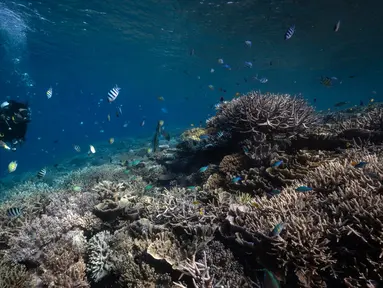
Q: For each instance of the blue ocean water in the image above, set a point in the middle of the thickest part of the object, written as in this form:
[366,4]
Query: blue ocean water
[82,49]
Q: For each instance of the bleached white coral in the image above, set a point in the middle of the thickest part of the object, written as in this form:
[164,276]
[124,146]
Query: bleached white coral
[100,256]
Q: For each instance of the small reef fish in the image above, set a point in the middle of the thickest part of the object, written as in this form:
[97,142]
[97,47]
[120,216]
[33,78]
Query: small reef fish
[337,26]
[4,145]
[49,93]
[211,87]
[164,110]
[42,173]
[113,93]
[111,140]
[248,64]
[227,66]
[203,169]
[148,187]
[220,134]
[204,137]
[220,61]
[277,164]
[236,179]
[212,70]
[274,192]
[326,81]
[77,148]
[262,80]
[191,187]
[142,123]
[77,188]
[278,229]
[160,98]
[12,166]
[14,212]
[290,32]
[109,117]
[248,43]
[340,104]
[119,111]
[303,189]
[360,164]
[269,280]
[134,163]
[92,149]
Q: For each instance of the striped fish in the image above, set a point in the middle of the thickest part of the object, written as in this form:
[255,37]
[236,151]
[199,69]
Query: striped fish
[77,148]
[113,93]
[42,173]
[49,93]
[290,32]
[14,212]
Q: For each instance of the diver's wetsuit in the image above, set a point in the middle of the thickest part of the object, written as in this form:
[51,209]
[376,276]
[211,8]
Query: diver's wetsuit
[14,119]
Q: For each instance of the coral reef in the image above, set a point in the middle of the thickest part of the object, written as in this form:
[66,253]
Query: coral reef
[286,194]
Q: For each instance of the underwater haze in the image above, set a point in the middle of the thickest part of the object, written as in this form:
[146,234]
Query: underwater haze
[168,48]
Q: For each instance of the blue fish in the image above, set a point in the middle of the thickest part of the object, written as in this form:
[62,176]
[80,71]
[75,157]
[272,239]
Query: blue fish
[164,110]
[226,66]
[248,64]
[277,163]
[204,136]
[278,229]
[361,164]
[269,280]
[274,192]
[236,179]
[203,169]
[303,189]
[290,32]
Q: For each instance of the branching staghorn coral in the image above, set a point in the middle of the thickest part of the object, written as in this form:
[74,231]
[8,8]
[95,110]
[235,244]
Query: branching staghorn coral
[63,263]
[265,113]
[331,233]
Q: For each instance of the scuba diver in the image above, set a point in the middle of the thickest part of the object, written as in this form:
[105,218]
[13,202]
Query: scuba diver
[14,119]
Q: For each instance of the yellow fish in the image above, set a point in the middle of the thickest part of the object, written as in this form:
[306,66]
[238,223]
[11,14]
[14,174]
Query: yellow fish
[111,140]
[237,94]
[160,98]
[255,204]
[12,166]
[4,145]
